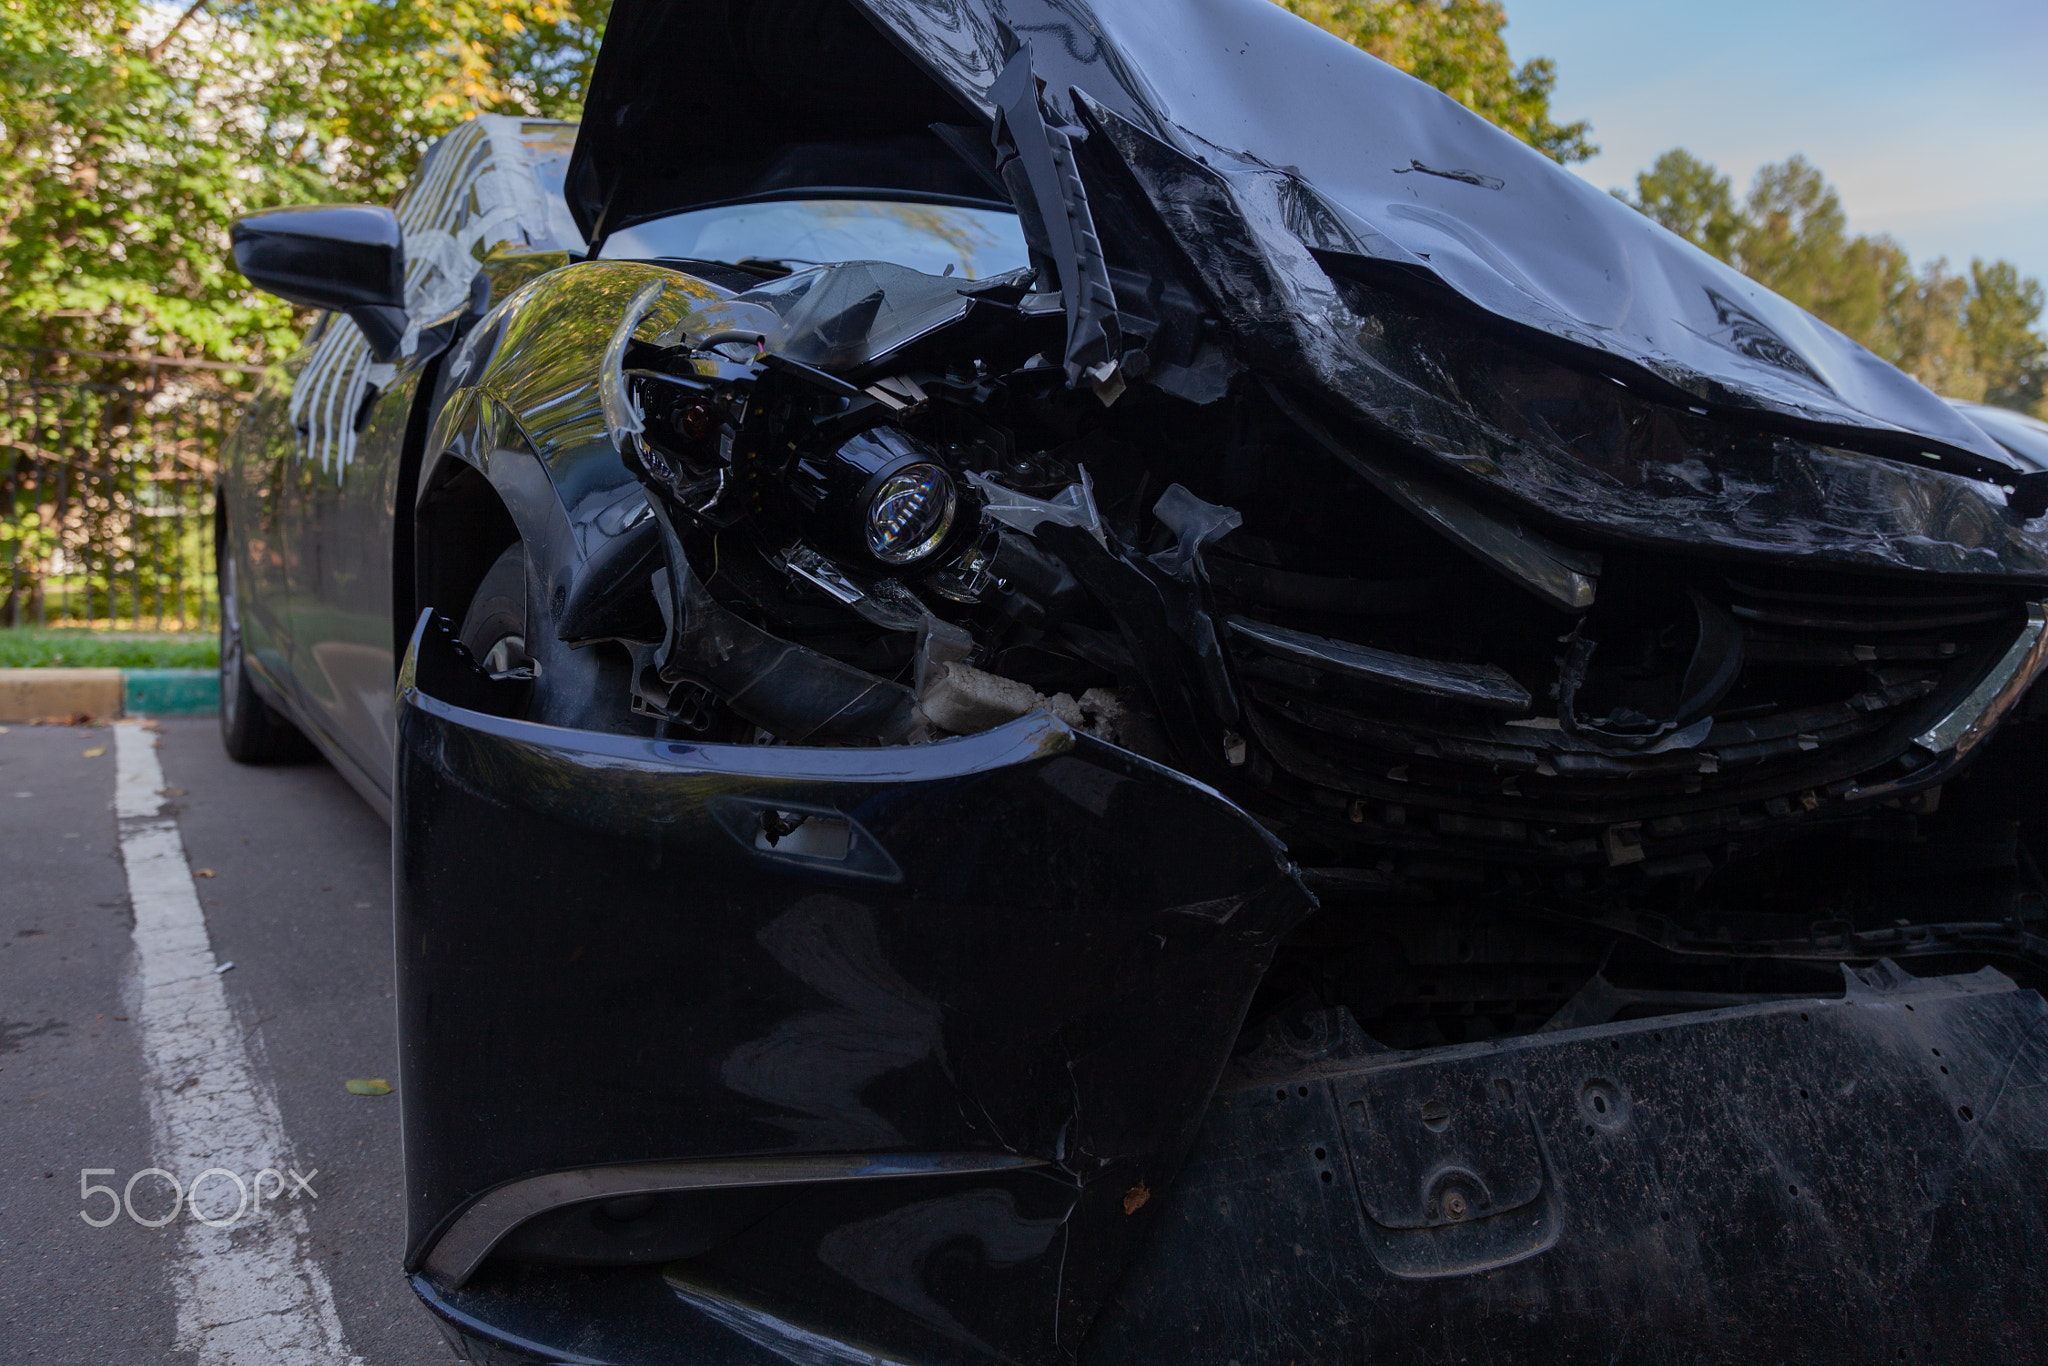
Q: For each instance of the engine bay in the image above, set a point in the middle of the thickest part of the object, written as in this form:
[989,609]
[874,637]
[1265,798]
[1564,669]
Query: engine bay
[872,510]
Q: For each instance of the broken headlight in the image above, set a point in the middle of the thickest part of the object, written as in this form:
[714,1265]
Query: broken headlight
[881,494]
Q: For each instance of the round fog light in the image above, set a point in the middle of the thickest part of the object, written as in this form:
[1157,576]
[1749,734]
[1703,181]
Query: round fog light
[910,514]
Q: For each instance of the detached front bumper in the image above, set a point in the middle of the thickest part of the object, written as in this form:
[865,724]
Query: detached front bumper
[893,1045]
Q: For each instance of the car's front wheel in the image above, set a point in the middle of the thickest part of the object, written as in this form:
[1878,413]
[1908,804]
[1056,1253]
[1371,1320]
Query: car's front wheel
[494,628]
[251,730]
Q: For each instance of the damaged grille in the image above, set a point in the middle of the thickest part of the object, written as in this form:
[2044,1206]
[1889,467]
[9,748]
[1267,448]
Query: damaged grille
[1826,690]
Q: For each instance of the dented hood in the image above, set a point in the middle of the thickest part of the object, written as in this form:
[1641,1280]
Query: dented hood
[1328,160]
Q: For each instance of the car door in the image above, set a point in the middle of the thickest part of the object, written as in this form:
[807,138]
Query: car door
[354,417]
[256,490]
[349,421]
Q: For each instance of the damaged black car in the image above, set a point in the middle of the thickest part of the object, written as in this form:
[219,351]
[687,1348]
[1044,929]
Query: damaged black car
[1082,681]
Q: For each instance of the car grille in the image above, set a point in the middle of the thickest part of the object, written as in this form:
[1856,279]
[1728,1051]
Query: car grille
[1835,685]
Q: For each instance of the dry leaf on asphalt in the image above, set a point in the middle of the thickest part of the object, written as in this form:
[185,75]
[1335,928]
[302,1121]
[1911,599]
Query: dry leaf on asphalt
[202,872]
[96,752]
[368,1086]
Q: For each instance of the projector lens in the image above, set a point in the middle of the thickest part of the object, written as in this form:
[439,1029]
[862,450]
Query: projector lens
[910,514]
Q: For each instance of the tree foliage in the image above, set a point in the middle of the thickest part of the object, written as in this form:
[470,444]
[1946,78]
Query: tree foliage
[1972,336]
[136,131]
[1458,47]
[134,134]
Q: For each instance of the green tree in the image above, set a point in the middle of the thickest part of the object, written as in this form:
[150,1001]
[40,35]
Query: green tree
[1458,47]
[1971,337]
[1923,332]
[2002,320]
[1794,237]
[135,135]
[1690,197]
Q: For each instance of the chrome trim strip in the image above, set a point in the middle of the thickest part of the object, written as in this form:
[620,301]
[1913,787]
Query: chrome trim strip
[1978,714]
[1481,685]
[486,1222]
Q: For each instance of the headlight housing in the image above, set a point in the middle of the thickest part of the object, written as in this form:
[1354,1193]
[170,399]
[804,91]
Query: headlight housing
[882,496]
[909,513]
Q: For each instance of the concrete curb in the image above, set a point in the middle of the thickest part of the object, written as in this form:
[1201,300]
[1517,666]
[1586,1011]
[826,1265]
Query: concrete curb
[47,694]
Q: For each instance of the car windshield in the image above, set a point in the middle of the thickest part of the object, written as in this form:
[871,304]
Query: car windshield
[938,239]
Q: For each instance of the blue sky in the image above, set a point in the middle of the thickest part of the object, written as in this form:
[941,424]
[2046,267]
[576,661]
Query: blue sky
[1930,117]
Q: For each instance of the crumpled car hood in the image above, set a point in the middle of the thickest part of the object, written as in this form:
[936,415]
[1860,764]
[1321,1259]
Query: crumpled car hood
[1318,143]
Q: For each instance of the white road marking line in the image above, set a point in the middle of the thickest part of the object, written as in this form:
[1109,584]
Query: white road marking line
[249,1294]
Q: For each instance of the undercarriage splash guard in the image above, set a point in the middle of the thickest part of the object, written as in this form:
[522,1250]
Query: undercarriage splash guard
[1816,1180]
[1852,1180]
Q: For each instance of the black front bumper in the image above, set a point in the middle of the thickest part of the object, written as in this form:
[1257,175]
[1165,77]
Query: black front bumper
[1852,1180]
[895,1042]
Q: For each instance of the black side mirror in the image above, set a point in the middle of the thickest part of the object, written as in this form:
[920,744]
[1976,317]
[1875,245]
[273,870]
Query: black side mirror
[345,257]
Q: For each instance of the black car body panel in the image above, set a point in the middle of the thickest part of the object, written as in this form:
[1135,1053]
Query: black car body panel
[1270,784]
[958,985]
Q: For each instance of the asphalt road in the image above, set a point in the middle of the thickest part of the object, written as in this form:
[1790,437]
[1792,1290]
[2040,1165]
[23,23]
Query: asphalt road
[299,901]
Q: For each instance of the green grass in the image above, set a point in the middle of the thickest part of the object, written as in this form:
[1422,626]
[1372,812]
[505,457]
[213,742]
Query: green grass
[27,648]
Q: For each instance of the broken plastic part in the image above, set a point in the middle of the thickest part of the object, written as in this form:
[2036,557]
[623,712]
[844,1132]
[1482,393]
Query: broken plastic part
[939,643]
[1624,731]
[1036,159]
[1176,675]
[623,420]
[1479,685]
[1977,715]
[891,606]
[808,565]
[1567,579]
[1073,506]
[1717,659]
[960,698]
[1108,382]
[796,694]
[1195,522]
[885,602]
[609,599]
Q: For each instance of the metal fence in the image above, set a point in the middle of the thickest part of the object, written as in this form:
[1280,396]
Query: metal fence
[107,467]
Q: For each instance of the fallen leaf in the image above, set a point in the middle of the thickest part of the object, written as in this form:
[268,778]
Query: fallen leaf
[152,725]
[96,752]
[1135,1198]
[202,872]
[368,1086]
[172,792]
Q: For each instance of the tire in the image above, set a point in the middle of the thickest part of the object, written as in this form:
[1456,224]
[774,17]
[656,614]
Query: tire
[251,730]
[494,627]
